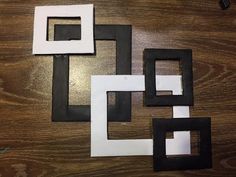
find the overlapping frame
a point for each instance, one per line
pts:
(101, 145)
(61, 111)
(160, 160)
(185, 57)
(83, 45)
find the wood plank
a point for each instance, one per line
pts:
(32, 145)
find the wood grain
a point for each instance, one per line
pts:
(33, 146)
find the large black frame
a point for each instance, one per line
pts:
(61, 111)
(160, 160)
(150, 56)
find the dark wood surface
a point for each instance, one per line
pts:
(31, 145)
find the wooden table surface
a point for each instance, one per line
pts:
(33, 146)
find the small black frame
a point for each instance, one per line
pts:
(150, 56)
(160, 160)
(61, 111)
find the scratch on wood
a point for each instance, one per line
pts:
(226, 163)
(3, 150)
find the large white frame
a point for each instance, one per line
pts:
(85, 45)
(102, 146)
